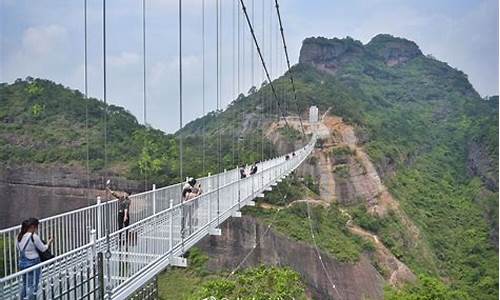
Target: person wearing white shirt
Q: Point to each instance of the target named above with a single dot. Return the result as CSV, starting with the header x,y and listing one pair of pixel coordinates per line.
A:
x,y
28,245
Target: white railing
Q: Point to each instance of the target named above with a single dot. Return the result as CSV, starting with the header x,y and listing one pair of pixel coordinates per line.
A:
x,y
71,230
159,235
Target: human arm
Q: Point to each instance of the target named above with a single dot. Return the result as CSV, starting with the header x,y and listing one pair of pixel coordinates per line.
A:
x,y
114,194
127,208
39,244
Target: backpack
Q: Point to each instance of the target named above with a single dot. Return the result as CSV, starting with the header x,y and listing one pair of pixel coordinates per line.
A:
x,y
45,255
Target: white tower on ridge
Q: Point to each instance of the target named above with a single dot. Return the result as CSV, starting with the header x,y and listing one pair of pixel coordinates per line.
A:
x,y
313,114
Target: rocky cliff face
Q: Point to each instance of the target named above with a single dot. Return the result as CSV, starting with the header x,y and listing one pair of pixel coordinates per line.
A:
x,y
332,54
42,191
352,281
392,49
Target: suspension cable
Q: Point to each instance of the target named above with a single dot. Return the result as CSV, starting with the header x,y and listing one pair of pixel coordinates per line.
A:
x,y
203,80
233,142
104,86
262,58
271,43
268,229
85,88
144,107
218,38
264,100
288,65
318,253
252,56
236,113
180,93
144,60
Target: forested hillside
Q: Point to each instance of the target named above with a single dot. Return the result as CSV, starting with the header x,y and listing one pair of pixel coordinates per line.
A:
x,y
46,123
430,135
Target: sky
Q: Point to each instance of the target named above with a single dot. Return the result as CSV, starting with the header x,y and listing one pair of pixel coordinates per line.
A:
x,y
45,39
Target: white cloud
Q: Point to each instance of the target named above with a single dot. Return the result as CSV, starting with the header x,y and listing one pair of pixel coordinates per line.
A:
x,y
44,40
124,59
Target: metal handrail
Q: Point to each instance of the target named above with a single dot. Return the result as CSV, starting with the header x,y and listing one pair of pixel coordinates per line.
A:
x,y
137,250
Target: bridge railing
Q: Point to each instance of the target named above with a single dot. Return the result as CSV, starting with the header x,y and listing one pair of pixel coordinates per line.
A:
x,y
137,251
71,230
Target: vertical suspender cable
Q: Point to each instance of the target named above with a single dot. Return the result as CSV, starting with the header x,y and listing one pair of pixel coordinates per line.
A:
x,y
252,56
271,45
234,76
277,60
144,108
183,229
243,77
236,117
108,220
104,87
264,100
217,27
180,92
285,48
271,106
144,61
253,50
203,79
256,44
85,88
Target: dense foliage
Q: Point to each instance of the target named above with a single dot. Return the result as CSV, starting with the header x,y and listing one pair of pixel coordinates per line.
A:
x,y
260,282
45,123
426,288
434,140
431,136
420,120
328,224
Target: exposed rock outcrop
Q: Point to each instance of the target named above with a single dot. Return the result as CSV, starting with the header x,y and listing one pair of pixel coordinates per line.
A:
x,y
393,50
352,281
331,55
481,164
42,191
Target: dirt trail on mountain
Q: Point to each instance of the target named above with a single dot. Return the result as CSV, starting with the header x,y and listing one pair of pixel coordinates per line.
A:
x,y
360,182
393,270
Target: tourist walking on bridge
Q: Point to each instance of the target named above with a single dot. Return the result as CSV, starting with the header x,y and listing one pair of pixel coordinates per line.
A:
x,y
30,247
190,190
123,208
253,169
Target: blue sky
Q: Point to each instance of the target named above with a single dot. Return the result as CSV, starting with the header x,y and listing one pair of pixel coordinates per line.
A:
x,y
45,39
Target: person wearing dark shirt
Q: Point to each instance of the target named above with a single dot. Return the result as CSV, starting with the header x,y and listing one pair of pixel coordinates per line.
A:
x,y
253,170
243,174
123,208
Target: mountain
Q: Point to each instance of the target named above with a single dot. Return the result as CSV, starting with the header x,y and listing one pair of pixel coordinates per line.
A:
x,y
433,141
402,187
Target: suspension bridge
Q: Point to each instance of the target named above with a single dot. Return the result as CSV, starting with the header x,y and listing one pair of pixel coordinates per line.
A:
x,y
163,228
94,259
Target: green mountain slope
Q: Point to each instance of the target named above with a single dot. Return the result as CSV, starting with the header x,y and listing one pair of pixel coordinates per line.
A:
x,y
430,134
42,122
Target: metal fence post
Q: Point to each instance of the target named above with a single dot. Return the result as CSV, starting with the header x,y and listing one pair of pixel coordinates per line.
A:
x,y
209,182
100,276
171,225
92,256
154,198
109,288
99,217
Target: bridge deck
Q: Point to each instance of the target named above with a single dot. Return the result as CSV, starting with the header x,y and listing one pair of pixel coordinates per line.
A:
x,y
163,229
